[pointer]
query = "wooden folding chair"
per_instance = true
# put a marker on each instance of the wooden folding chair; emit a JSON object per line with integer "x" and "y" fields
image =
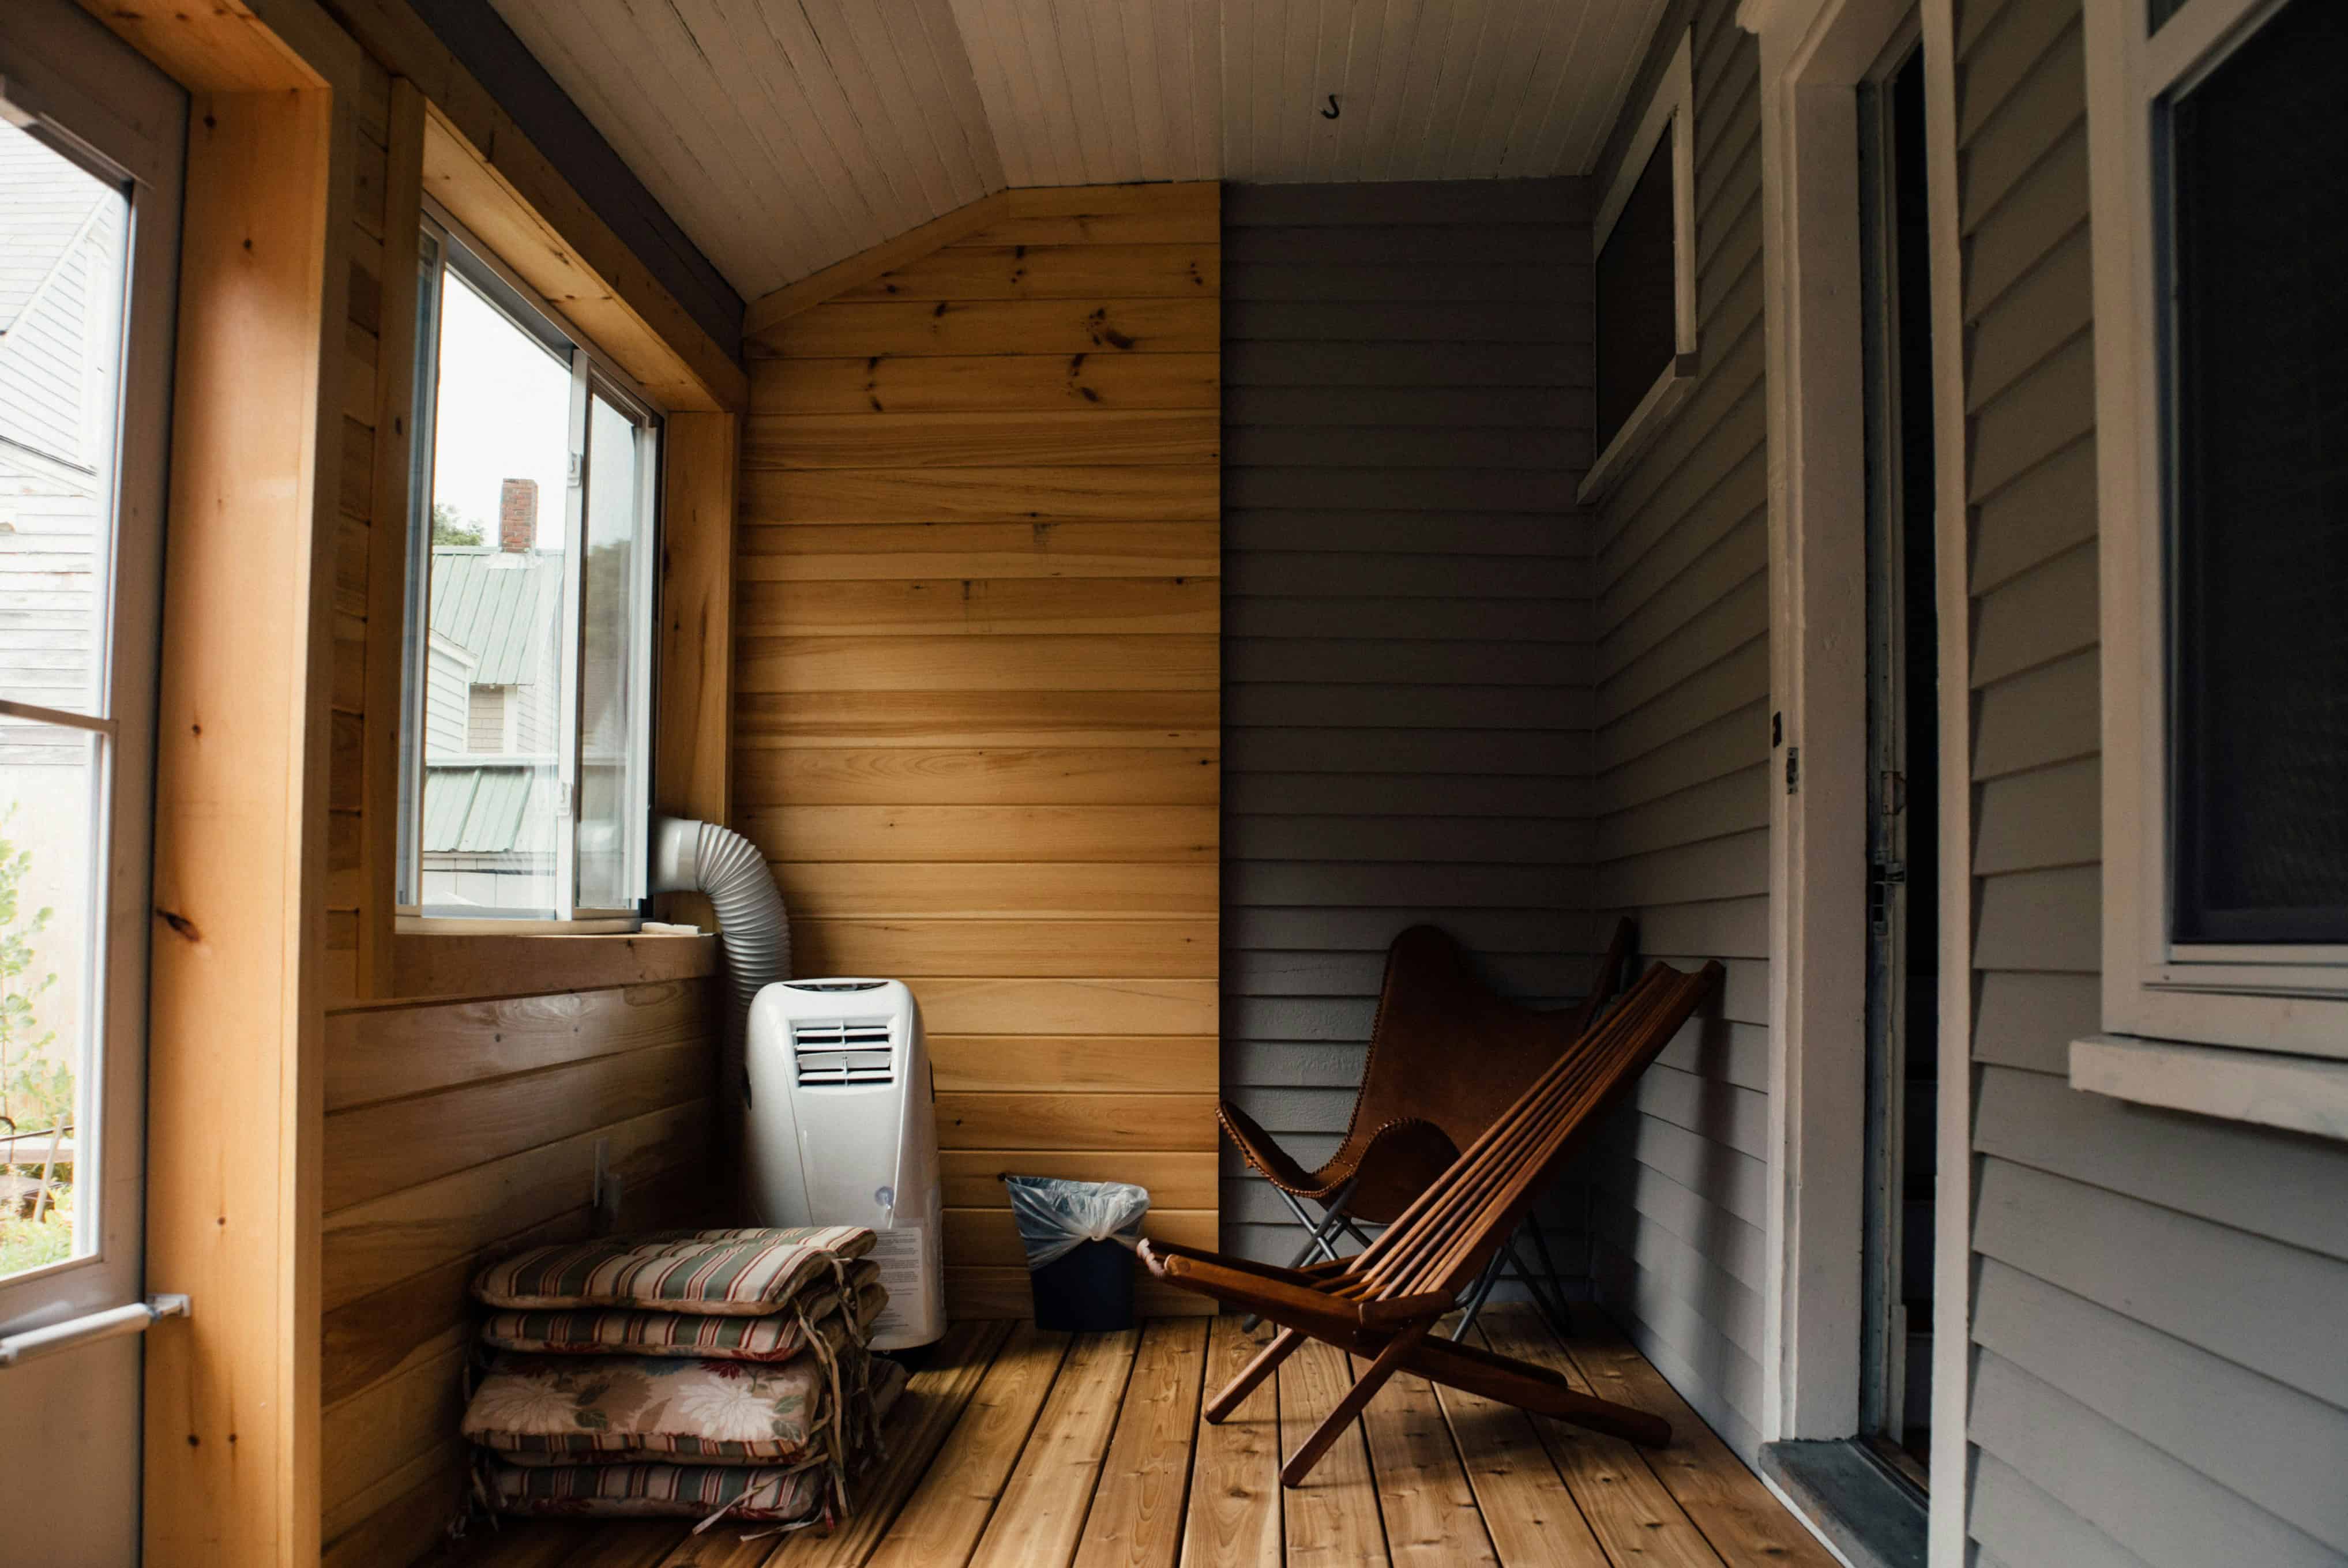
{"x": 1383, "y": 1302}
{"x": 1447, "y": 1058}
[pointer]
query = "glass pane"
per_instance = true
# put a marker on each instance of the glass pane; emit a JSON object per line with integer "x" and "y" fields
{"x": 612, "y": 629}
{"x": 48, "y": 985}
{"x": 63, "y": 238}
{"x": 2260, "y": 506}
{"x": 491, "y": 714}
{"x": 1637, "y": 295}
{"x": 62, "y": 233}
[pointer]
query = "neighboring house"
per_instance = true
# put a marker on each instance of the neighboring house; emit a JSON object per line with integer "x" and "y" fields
{"x": 61, "y": 312}
{"x": 491, "y": 722}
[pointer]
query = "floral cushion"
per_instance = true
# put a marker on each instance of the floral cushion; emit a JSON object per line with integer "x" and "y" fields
{"x": 773, "y": 1494}
{"x": 606, "y": 1331}
{"x": 571, "y": 1410}
{"x": 737, "y": 1273}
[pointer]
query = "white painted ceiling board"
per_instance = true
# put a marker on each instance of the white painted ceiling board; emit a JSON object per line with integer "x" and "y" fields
{"x": 787, "y": 135}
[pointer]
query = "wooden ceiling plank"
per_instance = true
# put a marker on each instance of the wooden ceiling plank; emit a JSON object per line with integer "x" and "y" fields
{"x": 1048, "y": 56}
{"x": 957, "y": 73}
{"x": 1149, "y": 90}
{"x": 930, "y": 107}
{"x": 1559, "y": 57}
{"x": 751, "y": 68}
{"x": 1207, "y": 88}
{"x": 1087, "y": 99}
{"x": 1302, "y": 96}
{"x": 915, "y": 192}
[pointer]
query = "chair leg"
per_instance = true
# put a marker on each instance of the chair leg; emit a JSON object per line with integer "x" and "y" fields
{"x": 1316, "y": 1237}
{"x": 1532, "y": 1388}
{"x": 1483, "y": 1283}
{"x": 1349, "y": 1409}
{"x": 1267, "y": 1360}
{"x": 1552, "y": 1300}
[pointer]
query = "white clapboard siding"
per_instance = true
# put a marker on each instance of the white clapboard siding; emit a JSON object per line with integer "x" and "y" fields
{"x": 2159, "y": 1378}
{"x": 1680, "y": 785}
{"x": 1407, "y": 701}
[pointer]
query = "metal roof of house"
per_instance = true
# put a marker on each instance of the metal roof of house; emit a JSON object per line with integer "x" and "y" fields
{"x": 483, "y": 808}
{"x": 489, "y": 600}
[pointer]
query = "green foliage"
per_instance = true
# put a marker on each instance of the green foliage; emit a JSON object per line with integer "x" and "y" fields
{"x": 34, "y": 1092}
{"x": 450, "y": 527}
{"x": 37, "y": 1244}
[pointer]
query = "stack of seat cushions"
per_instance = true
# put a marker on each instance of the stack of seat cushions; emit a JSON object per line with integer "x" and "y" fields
{"x": 688, "y": 1374}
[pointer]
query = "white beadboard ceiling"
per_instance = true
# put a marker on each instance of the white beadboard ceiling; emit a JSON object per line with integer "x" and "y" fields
{"x": 786, "y": 135}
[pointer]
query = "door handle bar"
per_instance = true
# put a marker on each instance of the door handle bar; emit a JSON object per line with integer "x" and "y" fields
{"x": 112, "y": 1324}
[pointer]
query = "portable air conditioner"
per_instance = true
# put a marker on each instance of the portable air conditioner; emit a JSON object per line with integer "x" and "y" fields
{"x": 842, "y": 1130}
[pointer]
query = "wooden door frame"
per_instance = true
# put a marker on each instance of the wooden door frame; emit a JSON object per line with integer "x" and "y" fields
{"x": 236, "y": 1018}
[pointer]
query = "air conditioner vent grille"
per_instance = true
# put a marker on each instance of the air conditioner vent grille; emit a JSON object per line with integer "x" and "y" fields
{"x": 833, "y": 1053}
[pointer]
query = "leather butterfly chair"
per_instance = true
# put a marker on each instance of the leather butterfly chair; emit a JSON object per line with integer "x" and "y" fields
{"x": 1447, "y": 1058}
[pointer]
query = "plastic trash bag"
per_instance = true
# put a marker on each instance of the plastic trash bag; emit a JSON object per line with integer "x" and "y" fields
{"x": 1055, "y": 1217}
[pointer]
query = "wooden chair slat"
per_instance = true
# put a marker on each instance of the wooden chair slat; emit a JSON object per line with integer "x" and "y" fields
{"x": 1382, "y": 1303}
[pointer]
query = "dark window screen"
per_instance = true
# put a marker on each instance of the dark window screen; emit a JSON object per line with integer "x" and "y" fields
{"x": 2259, "y": 554}
{"x": 1636, "y": 331}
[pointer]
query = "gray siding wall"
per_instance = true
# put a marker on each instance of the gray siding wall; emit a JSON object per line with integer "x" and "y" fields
{"x": 2157, "y": 1374}
{"x": 1681, "y": 782}
{"x": 1406, "y": 655}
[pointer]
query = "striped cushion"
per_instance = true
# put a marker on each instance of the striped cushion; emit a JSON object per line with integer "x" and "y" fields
{"x": 606, "y": 1331}
{"x": 775, "y": 1495}
{"x": 740, "y": 1273}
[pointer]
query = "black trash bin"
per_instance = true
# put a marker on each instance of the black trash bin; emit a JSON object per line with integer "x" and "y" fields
{"x": 1079, "y": 1238}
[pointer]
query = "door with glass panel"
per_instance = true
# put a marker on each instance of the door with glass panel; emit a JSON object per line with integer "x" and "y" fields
{"x": 91, "y": 142}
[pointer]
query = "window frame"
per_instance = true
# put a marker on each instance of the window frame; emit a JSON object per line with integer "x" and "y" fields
{"x": 444, "y": 245}
{"x": 1669, "y": 110}
{"x": 2290, "y": 999}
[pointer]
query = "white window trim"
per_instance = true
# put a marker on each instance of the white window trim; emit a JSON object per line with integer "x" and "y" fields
{"x": 1672, "y": 108}
{"x": 592, "y": 372}
{"x": 2285, "y": 1003}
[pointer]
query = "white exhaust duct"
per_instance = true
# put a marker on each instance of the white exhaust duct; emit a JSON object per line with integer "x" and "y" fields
{"x": 728, "y": 870}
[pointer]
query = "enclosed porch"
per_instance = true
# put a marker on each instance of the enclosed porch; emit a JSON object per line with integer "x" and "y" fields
{"x": 1016, "y": 1448}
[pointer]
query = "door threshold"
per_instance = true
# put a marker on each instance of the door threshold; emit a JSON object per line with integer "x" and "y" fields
{"x": 1872, "y": 1515}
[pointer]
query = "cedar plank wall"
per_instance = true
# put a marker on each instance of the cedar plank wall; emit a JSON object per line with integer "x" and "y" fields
{"x": 456, "y": 1129}
{"x": 2157, "y": 1376}
{"x": 1682, "y": 780}
{"x": 977, "y": 682}
{"x": 1406, "y": 628}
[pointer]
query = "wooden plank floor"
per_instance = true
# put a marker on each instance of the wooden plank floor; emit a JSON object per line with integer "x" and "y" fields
{"x": 1018, "y": 1448}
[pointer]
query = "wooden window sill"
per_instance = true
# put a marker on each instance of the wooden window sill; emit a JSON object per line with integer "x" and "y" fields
{"x": 431, "y": 964}
{"x": 2301, "y": 1094}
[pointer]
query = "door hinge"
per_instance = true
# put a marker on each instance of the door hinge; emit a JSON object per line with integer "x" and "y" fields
{"x": 1792, "y": 770}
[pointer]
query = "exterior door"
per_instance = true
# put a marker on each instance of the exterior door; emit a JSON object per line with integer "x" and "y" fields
{"x": 1902, "y": 709}
{"x": 91, "y": 148}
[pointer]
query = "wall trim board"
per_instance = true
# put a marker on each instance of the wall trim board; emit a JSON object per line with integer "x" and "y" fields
{"x": 386, "y": 560}
{"x": 675, "y": 362}
{"x": 479, "y": 38}
{"x": 237, "y": 976}
{"x": 584, "y": 259}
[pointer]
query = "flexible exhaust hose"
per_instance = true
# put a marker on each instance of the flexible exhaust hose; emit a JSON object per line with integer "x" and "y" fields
{"x": 731, "y": 872}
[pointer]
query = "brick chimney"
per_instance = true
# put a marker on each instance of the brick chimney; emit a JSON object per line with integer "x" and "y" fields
{"x": 517, "y": 515}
